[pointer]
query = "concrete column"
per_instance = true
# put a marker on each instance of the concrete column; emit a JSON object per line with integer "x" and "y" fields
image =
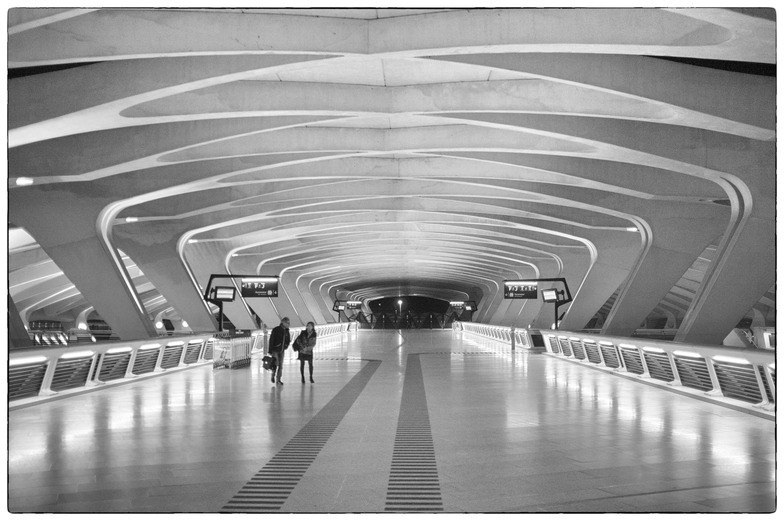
{"x": 745, "y": 273}
{"x": 17, "y": 334}
{"x": 290, "y": 291}
{"x": 745, "y": 268}
{"x": 311, "y": 301}
{"x": 64, "y": 224}
{"x": 601, "y": 281}
{"x": 679, "y": 234}
{"x": 161, "y": 264}
{"x": 94, "y": 272}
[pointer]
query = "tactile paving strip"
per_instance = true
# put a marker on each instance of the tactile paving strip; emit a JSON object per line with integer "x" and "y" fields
{"x": 413, "y": 479}
{"x": 272, "y": 485}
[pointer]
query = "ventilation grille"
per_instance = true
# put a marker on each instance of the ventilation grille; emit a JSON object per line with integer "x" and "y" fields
{"x": 145, "y": 361}
{"x": 610, "y": 355}
{"x": 693, "y": 373}
{"x": 768, "y": 392}
{"x": 208, "y": 350}
{"x": 192, "y": 353}
{"x": 632, "y": 361}
{"x": 413, "y": 479}
{"x": 565, "y": 349}
{"x": 115, "y": 365}
{"x": 592, "y": 352}
{"x": 554, "y": 344}
{"x": 577, "y": 349}
{"x": 71, "y": 373}
{"x": 171, "y": 356}
{"x": 659, "y": 366}
{"x": 738, "y": 381}
{"x": 25, "y": 380}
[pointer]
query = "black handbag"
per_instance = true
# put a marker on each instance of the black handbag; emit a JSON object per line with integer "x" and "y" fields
{"x": 269, "y": 363}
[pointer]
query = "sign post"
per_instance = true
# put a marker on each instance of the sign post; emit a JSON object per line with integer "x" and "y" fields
{"x": 251, "y": 286}
{"x": 528, "y": 289}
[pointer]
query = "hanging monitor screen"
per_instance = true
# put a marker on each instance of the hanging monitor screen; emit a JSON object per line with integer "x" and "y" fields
{"x": 224, "y": 293}
{"x": 259, "y": 287}
{"x": 549, "y": 295}
{"x": 524, "y": 289}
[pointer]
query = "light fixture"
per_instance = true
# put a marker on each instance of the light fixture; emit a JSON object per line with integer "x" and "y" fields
{"x": 159, "y": 325}
{"x": 77, "y": 354}
{"x": 184, "y": 324}
{"x": 631, "y": 229}
{"x": 82, "y": 326}
{"x": 191, "y": 241}
{"x": 131, "y": 219}
{"x": 687, "y": 354}
{"x": 23, "y": 181}
{"x": 731, "y": 360}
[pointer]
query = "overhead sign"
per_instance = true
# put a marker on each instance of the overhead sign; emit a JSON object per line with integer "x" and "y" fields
{"x": 522, "y": 289}
{"x": 259, "y": 287}
{"x": 353, "y": 304}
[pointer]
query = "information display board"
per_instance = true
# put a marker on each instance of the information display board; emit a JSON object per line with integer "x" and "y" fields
{"x": 522, "y": 289}
{"x": 224, "y": 293}
{"x": 550, "y": 295}
{"x": 259, "y": 287}
{"x": 353, "y": 304}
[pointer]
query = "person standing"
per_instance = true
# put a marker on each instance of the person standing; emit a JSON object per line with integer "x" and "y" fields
{"x": 305, "y": 343}
{"x": 278, "y": 343}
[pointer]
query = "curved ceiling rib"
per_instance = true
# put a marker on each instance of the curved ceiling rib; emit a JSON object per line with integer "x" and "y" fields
{"x": 366, "y": 151}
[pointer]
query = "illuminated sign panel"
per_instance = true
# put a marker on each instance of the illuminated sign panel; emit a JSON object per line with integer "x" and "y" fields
{"x": 224, "y": 293}
{"x": 522, "y": 289}
{"x": 259, "y": 287}
{"x": 353, "y": 304}
{"x": 549, "y": 295}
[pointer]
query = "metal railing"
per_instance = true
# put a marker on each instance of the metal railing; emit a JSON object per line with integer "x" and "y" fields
{"x": 744, "y": 377}
{"x": 516, "y": 338}
{"x": 40, "y": 373}
{"x": 744, "y": 374}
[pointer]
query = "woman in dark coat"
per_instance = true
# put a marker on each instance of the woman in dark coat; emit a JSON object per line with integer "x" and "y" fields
{"x": 306, "y": 341}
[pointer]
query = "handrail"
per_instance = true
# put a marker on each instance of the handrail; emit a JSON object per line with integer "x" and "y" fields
{"x": 743, "y": 377}
{"x": 515, "y": 337}
{"x": 38, "y": 373}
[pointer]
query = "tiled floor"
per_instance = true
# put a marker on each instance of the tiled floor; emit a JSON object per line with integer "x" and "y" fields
{"x": 512, "y": 433}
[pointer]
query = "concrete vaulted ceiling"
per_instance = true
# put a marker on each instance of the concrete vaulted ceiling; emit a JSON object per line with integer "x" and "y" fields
{"x": 365, "y": 153}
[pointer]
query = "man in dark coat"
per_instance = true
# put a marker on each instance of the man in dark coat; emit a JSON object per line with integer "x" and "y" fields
{"x": 278, "y": 343}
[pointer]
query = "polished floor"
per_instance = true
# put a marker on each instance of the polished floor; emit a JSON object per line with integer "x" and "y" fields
{"x": 395, "y": 422}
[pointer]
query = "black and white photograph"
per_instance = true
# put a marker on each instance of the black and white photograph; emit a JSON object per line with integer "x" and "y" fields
{"x": 527, "y": 255}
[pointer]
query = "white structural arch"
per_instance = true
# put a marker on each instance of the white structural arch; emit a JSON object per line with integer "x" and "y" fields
{"x": 365, "y": 153}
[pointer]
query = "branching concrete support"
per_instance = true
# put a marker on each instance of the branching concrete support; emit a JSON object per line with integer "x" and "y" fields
{"x": 17, "y": 334}
{"x": 73, "y": 244}
{"x": 161, "y": 264}
{"x": 679, "y": 234}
